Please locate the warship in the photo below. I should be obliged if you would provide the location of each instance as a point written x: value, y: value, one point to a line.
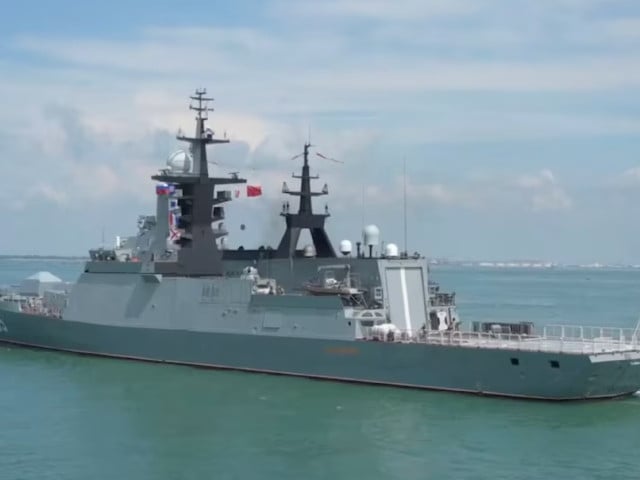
x: 174, y: 293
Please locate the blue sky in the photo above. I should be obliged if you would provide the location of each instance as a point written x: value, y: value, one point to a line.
x: 519, y: 121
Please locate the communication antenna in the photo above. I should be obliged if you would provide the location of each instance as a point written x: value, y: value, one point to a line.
x: 362, y: 226
x: 404, y: 194
x: 202, y: 107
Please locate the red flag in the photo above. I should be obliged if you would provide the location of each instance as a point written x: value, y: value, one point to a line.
x: 254, y: 190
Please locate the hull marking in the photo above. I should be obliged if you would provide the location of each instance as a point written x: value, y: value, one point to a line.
x: 342, y: 350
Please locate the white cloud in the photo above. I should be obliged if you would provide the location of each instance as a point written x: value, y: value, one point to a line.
x: 40, y: 193
x: 626, y: 29
x: 554, y: 199
x: 536, y: 181
x: 544, y: 191
x: 494, y: 193
x: 628, y: 180
x: 379, y: 9
x: 632, y: 174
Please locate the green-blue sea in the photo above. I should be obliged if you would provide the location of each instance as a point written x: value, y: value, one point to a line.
x: 70, y: 417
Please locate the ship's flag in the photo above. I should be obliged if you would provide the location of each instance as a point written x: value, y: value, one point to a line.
x: 254, y: 190
x: 165, y: 189
x: 174, y: 233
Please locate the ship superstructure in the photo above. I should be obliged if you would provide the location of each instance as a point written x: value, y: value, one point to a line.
x: 172, y: 294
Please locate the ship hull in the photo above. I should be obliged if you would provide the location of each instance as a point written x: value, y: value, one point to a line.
x: 436, y: 367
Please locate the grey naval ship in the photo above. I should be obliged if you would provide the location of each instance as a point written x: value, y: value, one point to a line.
x: 174, y: 293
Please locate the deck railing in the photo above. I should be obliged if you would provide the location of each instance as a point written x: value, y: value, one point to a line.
x: 553, y: 338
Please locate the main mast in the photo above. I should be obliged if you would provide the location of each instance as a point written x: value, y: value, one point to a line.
x: 199, y: 210
x: 305, y: 219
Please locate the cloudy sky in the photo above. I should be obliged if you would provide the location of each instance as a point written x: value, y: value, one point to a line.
x: 519, y: 121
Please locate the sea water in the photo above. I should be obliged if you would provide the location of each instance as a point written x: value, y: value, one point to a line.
x: 70, y: 417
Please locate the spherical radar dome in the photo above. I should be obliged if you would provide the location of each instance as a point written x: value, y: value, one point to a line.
x: 371, y: 235
x: 391, y: 250
x: 180, y: 161
x: 345, y: 247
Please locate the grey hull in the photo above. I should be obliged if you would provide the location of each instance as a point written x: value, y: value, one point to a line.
x: 437, y: 367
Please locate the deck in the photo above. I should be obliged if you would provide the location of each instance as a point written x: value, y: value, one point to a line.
x: 553, y: 339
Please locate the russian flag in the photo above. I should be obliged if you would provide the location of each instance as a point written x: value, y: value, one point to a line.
x: 254, y: 190
x: 164, y: 189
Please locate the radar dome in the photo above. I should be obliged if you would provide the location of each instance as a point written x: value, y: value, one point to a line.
x: 371, y: 235
x: 179, y: 161
x: 309, y: 251
x: 345, y: 247
x: 391, y: 250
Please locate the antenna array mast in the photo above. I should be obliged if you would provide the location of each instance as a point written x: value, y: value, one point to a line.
x: 199, y: 200
x: 202, y: 137
x: 305, y: 218
x: 203, y: 104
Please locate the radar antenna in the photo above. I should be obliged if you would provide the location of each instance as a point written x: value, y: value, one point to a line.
x: 404, y: 199
x: 202, y: 107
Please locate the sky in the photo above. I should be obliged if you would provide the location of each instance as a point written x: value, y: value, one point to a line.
x: 518, y: 122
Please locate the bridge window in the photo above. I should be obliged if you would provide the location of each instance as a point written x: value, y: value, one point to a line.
x: 515, y: 361
x: 554, y: 363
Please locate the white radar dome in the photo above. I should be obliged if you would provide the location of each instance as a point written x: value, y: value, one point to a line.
x: 391, y: 250
x: 371, y: 235
x: 309, y: 251
x: 345, y: 247
x: 179, y: 161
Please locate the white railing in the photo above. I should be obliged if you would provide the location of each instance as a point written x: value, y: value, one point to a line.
x: 554, y: 338
x: 621, y: 335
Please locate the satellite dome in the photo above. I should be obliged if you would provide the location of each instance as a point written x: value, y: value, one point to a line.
x: 391, y: 250
x: 371, y: 235
x: 309, y: 251
x: 345, y: 247
x: 179, y: 161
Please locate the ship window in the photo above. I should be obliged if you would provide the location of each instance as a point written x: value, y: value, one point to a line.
x: 349, y: 323
x: 515, y: 361
x: 554, y: 363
